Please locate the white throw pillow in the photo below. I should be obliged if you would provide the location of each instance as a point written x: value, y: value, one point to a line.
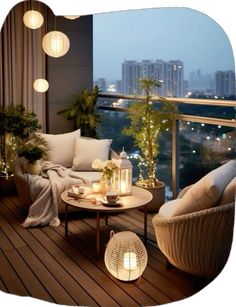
x: 207, y: 191
x: 229, y: 193
x: 88, y: 150
x: 61, y: 147
x: 168, y: 209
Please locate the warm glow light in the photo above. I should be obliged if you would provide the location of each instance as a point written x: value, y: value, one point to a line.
x: 96, y: 187
x: 55, y: 44
x: 130, y: 261
x: 125, y: 256
x: 33, y: 19
x: 123, y: 187
x: 41, y: 85
x: 72, y: 17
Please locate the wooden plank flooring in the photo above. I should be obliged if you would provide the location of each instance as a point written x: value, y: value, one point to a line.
x: 41, y: 263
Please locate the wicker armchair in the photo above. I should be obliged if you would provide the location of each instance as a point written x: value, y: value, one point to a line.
x: 199, y: 242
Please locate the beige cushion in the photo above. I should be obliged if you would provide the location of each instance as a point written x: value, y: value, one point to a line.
x: 229, y: 193
x: 168, y: 209
x: 91, y: 177
x: 87, y: 150
x: 61, y: 147
x: 207, y: 191
x: 183, y: 192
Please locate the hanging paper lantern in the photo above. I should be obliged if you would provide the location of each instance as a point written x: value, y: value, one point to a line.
x: 72, y: 17
x: 41, y: 85
x: 33, y: 19
x: 55, y: 44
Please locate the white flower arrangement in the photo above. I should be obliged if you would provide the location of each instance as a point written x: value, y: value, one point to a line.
x: 106, y: 168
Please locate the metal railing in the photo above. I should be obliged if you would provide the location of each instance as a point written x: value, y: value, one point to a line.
x: 178, y: 118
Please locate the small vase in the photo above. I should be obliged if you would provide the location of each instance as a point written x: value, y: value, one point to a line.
x: 33, y: 168
x: 105, y: 185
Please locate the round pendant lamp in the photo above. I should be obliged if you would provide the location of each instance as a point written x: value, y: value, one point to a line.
x: 55, y: 44
x: 33, y: 19
x: 41, y: 85
x: 72, y: 17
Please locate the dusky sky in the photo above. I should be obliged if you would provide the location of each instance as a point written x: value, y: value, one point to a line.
x: 159, y: 33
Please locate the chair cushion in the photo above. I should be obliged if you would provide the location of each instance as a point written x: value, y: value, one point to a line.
x: 61, y: 147
x: 229, y: 193
x: 87, y: 150
x: 168, y: 209
x: 207, y: 191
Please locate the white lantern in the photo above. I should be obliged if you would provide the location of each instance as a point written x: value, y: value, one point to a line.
x: 122, y: 177
x: 33, y: 19
x: 125, y: 256
x: 72, y: 17
x: 41, y: 85
x: 55, y: 44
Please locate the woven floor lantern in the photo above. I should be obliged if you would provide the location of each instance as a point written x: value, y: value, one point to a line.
x: 125, y: 256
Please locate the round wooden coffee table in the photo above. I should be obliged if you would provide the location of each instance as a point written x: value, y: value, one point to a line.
x: 139, y: 198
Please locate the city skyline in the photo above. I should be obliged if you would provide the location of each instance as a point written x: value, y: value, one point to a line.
x: 168, y: 34
x: 220, y: 83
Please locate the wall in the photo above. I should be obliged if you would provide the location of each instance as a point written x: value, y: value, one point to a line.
x: 69, y: 74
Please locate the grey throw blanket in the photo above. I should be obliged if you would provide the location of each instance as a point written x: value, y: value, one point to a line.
x: 46, y: 190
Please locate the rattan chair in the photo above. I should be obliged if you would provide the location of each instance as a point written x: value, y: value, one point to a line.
x: 199, y: 242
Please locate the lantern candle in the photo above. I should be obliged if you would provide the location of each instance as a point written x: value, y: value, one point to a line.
x: 96, y: 187
x: 130, y: 261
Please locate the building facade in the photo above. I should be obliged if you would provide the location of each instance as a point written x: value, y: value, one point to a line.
x: 171, y: 73
x: 225, y: 83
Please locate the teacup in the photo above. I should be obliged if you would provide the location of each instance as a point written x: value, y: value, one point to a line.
x: 112, y: 197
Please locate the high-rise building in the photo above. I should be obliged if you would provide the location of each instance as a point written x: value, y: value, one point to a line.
x: 225, y: 83
x: 201, y: 83
x: 130, y: 77
x: 171, y: 73
x: 101, y: 83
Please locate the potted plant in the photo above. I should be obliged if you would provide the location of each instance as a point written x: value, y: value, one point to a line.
x: 15, y: 124
x: 148, y: 121
x: 83, y: 112
x: 32, y: 151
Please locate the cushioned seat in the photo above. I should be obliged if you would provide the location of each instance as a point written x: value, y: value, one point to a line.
x: 70, y: 151
x: 195, y: 231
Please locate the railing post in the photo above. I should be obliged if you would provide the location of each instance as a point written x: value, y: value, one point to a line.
x: 175, y: 159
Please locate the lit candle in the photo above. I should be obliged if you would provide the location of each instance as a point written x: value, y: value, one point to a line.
x: 96, y: 187
x: 123, y: 186
x: 130, y: 261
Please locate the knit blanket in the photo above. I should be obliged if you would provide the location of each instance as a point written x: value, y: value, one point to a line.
x: 46, y: 190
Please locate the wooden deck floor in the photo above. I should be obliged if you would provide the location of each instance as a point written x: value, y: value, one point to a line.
x: 42, y: 263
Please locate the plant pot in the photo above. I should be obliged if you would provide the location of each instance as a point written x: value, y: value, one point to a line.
x: 33, y: 168
x: 158, y: 197
x: 7, y: 184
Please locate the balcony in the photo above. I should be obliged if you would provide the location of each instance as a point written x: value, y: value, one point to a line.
x: 41, y: 262
x: 209, y: 138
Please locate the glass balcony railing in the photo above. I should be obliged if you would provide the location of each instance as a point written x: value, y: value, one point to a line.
x: 203, y: 136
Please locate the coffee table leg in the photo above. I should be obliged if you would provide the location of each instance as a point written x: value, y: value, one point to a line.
x: 66, y: 220
x: 145, y: 224
x: 98, y: 235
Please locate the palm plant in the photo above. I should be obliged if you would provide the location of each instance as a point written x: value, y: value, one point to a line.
x: 83, y: 112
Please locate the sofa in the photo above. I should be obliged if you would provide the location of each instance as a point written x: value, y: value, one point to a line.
x: 195, y: 230
x: 68, y: 155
